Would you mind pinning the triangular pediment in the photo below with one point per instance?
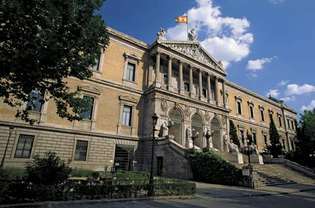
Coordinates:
(195, 51)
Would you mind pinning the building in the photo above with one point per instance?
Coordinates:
(178, 80)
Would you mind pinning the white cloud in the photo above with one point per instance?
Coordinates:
(226, 38)
(283, 83)
(277, 1)
(311, 106)
(288, 98)
(294, 89)
(258, 64)
(273, 93)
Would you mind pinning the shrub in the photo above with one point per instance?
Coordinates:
(77, 172)
(49, 170)
(209, 167)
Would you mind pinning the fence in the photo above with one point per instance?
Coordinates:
(17, 191)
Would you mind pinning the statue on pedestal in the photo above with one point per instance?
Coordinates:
(161, 35)
(192, 35)
(188, 138)
(164, 129)
(208, 134)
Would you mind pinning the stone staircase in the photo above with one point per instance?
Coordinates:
(276, 174)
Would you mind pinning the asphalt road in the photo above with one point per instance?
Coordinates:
(295, 196)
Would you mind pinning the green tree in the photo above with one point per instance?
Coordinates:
(47, 170)
(233, 134)
(275, 147)
(43, 42)
(305, 144)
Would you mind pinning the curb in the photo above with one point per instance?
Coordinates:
(96, 201)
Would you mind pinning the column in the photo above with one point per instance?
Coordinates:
(157, 70)
(209, 87)
(216, 91)
(169, 74)
(200, 84)
(181, 79)
(224, 94)
(190, 81)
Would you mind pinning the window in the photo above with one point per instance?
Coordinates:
(35, 101)
(126, 115)
(204, 92)
(87, 110)
(242, 136)
(254, 138)
(24, 146)
(251, 109)
(239, 107)
(81, 150)
(186, 86)
(292, 124)
(280, 122)
(96, 66)
(262, 115)
(130, 72)
(288, 121)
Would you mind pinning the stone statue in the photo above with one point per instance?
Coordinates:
(232, 147)
(192, 35)
(207, 133)
(188, 138)
(164, 129)
(161, 35)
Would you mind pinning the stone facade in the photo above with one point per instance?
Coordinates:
(178, 80)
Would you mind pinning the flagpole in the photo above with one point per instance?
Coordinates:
(187, 27)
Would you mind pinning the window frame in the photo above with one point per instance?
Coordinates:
(31, 146)
(75, 150)
(91, 113)
(126, 106)
(127, 73)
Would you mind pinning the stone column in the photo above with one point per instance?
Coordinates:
(190, 81)
(181, 79)
(169, 74)
(200, 84)
(224, 94)
(209, 87)
(216, 91)
(157, 70)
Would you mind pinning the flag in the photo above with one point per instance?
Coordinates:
(182, 19)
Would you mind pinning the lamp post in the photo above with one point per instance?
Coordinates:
(151, 179)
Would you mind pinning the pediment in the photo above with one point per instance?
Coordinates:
(195, 51)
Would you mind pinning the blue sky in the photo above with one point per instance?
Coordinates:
(267, 45)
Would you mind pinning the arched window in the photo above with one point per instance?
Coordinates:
(196, 123)
(176, 129)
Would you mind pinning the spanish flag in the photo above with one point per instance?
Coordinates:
(182, 19)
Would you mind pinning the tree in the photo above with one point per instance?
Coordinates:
(233, 134)
(305, 144)
(47, 170)
(43, 42)
(275, 147)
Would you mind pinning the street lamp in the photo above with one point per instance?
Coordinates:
(151, 180)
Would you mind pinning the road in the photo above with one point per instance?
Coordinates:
(295, 196)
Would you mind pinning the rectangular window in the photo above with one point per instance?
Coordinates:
(280, 122)
(130, 72)
(126, 115)
(87, 110)
(251, 109)
(204, 92)
(292, 124)
(239, 107)
(288, 121)
(35, 101)
(262, 115)
(96, 66)
(81, 150)
(186, 86)
(242, 136)
(24, 146)
(254, 138)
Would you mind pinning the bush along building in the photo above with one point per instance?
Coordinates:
(179, 81)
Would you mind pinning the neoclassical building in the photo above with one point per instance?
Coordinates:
(178, 80)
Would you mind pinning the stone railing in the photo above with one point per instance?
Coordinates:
(294, 166)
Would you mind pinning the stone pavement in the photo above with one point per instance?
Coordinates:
(209, 195)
